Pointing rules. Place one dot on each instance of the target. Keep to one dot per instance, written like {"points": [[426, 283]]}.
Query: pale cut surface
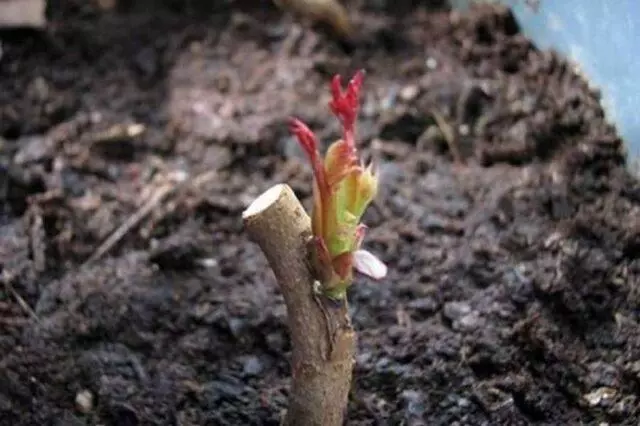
{"points": [[264, 200]]}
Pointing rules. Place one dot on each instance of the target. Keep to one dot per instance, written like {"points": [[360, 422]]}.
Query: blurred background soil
{"points": [[132, 137]]}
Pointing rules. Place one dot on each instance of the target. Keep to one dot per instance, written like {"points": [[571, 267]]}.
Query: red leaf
{"points": [[345, 104], [309, 144], [343, 265]]}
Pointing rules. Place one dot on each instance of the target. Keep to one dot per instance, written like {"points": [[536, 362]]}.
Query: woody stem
{"points": [[322, 364]]}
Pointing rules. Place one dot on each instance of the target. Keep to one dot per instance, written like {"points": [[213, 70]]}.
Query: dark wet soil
{"points": [[132, 139]]}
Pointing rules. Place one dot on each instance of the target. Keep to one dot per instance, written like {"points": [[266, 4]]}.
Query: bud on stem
{"points": [[342, 190]]}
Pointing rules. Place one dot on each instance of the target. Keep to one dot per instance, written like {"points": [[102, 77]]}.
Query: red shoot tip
{"points": [[345, 104], [307, 139], [309, 144]]}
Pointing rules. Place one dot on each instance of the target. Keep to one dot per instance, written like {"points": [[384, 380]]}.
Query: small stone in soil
{"points": [[84, 401], [469, 322], [414, 403], [252, 365], [456, 310]]}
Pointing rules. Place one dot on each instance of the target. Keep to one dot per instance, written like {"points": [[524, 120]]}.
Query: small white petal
{"points": [[366, 263]]}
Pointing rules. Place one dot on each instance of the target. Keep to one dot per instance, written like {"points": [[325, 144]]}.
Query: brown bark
{"points": [[322, 336]]}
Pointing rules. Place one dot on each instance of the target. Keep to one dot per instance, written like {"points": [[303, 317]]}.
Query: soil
{"points": [[133, 137]]}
